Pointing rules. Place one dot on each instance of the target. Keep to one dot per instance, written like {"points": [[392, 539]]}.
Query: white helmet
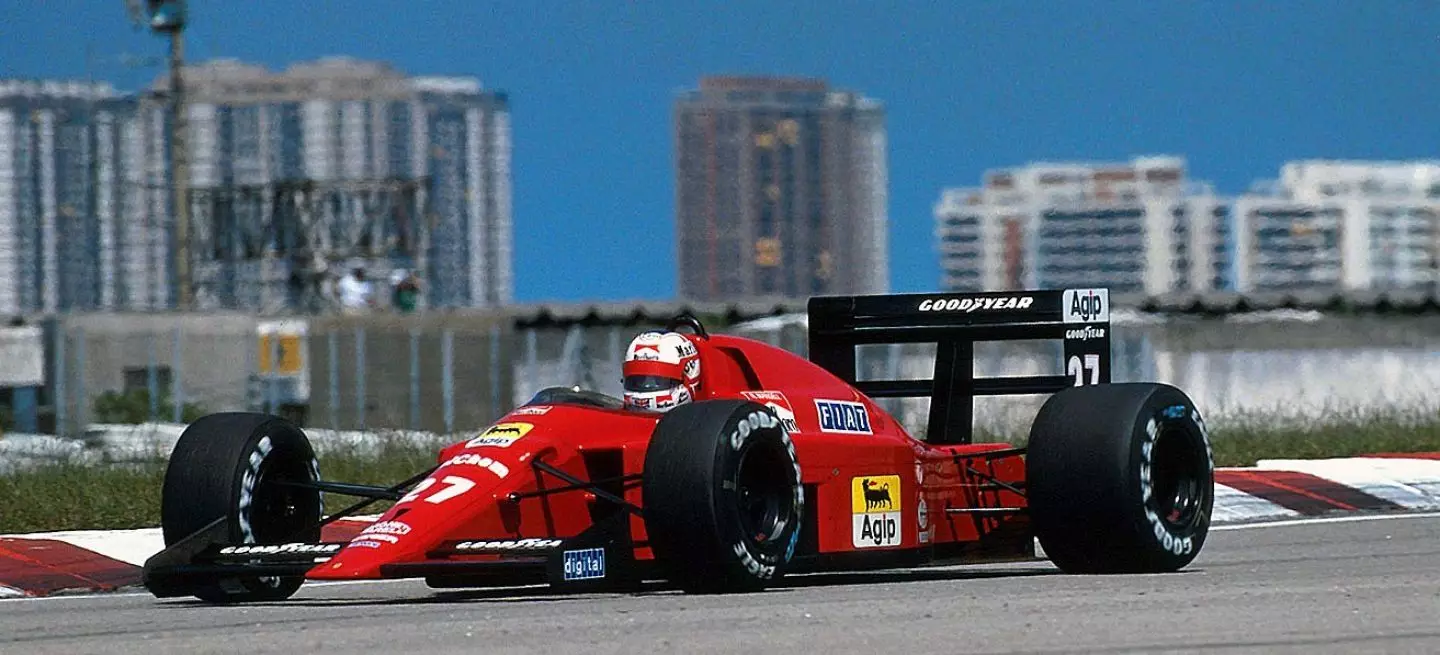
{"points": [[661, 371]]}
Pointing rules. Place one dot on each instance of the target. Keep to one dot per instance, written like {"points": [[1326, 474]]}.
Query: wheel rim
{"points": [[281, 511], [1177, 470], [765, 499]]}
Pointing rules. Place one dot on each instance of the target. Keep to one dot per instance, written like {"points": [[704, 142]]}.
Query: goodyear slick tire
{"points": [[219, 468], [722, 496], [1120, 479]]}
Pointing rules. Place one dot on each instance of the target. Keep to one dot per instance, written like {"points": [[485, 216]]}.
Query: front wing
{"points": [[600, 558]]}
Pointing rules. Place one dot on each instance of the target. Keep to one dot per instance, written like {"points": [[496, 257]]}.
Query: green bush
{"points": [[133, 407]]}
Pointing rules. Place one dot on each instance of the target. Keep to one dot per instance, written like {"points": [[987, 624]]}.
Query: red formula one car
{"points": [[780, 465]]}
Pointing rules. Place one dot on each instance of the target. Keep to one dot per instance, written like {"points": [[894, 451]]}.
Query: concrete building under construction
{"points": [[781, 190], [298, 176]]}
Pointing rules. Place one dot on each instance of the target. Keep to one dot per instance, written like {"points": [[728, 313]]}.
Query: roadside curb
{"points": [[44, 564]]}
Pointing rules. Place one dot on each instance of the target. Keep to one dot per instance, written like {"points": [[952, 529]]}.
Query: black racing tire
{"points": [[220, 468], [722, 497], [1120, 479]]}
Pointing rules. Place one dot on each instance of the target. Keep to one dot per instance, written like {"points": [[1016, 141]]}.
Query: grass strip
{"points": [[56, 497]]}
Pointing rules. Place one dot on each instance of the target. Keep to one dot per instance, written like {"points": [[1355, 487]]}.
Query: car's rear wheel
{"points": [[1120, 479], [722, 496], [227, 466]]}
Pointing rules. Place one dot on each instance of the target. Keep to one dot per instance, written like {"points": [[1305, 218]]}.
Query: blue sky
{"points": [[1235, 87]]}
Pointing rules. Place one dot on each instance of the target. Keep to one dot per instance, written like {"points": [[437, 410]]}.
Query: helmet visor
{"points": [[645, 383]]}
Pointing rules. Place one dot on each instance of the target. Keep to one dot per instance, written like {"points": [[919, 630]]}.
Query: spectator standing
{"points": [[405, 295], [357, 293]]}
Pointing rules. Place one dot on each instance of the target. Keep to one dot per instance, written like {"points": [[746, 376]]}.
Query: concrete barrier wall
{"points": [[208, 358], [1304, 363], [398, 365]]}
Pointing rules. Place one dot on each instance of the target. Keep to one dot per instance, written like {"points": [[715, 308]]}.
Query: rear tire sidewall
{"points": [[1169, 422], [1101, 468]]}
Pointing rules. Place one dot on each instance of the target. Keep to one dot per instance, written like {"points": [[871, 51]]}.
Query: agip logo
{"points": [[1085, 305], [501, 435], [875, 511]]}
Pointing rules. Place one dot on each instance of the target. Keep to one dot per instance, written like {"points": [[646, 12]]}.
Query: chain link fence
{"points": [[447, 372]]}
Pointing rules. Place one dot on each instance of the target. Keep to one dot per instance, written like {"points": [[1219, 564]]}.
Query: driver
{"points": [[661, 371]]}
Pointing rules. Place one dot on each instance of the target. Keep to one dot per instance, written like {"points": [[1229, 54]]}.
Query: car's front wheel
{"points": [[231, 466], [722, 496]]}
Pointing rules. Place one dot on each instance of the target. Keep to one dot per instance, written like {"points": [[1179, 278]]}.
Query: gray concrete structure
{"points": [[1234, 353], [201, 358], [392, 372]]}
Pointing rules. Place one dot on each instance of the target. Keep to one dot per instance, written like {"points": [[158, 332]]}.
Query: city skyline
{"points": [[1145, 226], [968, 89], [1044, 216]]}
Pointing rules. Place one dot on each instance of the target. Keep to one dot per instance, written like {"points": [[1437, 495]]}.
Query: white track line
{"points": [[1320, 520]]}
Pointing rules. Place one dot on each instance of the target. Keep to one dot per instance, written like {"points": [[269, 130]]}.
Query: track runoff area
{"points": [[1353, 583]]}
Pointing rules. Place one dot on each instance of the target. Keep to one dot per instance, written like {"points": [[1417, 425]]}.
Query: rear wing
{"points": [[954, 322]]}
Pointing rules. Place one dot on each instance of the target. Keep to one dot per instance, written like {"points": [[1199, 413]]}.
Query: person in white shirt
{"points": [[357, 293]]}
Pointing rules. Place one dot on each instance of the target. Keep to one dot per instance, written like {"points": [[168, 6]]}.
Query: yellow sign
{"points": [[875, 511], [289, 354], [501, 435], [874, 494], [767, 252]]}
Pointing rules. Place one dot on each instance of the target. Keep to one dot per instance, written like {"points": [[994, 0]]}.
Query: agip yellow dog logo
{"points": [[501, 435], [875, 510]]}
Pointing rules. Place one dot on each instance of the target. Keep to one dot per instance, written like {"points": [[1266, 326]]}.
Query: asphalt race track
{"points": [[1351, 587]]}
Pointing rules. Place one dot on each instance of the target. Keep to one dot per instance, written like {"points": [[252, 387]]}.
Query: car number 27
{"points": [[1078, 368], [454, 486]]}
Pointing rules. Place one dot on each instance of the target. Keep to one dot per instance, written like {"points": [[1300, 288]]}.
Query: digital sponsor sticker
{"points": [[875, 511], [531, 410], [1085, 305], [843, 416], [777, 401], [585, 564], [501, 435]]}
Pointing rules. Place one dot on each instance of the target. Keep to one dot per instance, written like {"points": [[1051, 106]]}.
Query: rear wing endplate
{"points": [[954, 322]]}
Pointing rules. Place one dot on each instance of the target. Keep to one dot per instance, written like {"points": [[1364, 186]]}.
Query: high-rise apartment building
{"points": [[75, 232], [1355, 225], [781, 190], [1135, 227], [337, 163]]}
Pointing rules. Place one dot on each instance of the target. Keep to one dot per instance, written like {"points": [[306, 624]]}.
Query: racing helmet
{"points": [[661, 371]]}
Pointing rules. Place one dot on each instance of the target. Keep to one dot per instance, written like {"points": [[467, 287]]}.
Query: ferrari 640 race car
{"points": [[782, 464]]}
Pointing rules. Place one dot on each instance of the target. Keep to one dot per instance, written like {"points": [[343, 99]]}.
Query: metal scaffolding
{"points": [[277, 245]]}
